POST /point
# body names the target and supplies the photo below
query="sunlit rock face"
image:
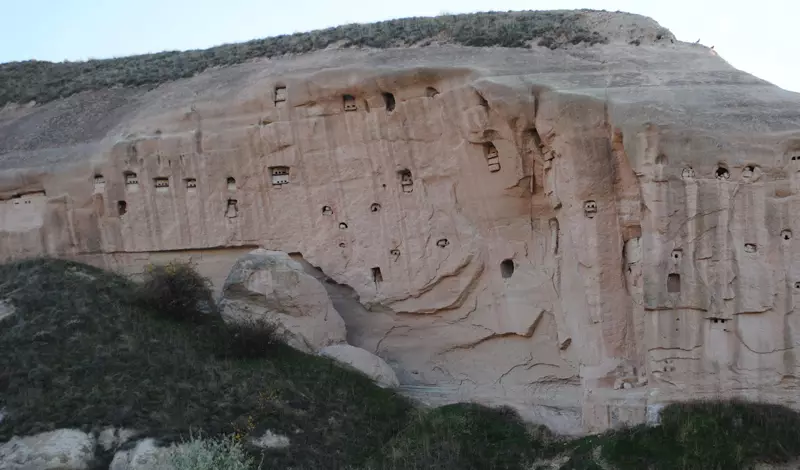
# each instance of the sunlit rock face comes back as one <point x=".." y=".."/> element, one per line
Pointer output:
<point x="578" y="233"/>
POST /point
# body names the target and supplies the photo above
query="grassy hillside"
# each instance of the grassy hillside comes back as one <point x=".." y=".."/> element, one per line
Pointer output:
<point x="21" y="82"/>
<point x="88" y="349"/>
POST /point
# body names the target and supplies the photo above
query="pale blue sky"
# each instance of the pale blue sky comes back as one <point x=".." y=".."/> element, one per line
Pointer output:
<point x="758" y="37"/>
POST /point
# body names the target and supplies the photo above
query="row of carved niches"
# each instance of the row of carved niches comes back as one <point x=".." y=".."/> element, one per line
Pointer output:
<point x="349" y="101"/>
<point x="722" y="173"/>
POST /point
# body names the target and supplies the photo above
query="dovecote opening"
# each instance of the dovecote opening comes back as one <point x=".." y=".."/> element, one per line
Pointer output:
<point x="280" y="175"/>
<point x="673" y="283"/>
<point x="191" y="183"/>
<point x="786" y="235"/>
<point x="395" y="253"/>
<point x="131" y="179"/>
<point x="280" y="94"/>
<point x="590" y="209"/>
<point x="122" y="207"/>
<point x="430" y="92"/>
<point x="442" y="242"/>
<point x="406" y="182"/>
<point x="750" y="247"/>
<point x="375" y="207"/>
<point x="687" y="173"/>
<point x="797" y="285"/>
<point x="326" y="210"/>
<point x="722" y="173"/>
<point x="161" y="184"/>
<point x="492" y="157"/>
<point x="342" y="226"/>
<point x="99" y="183"/>
<point x="506" y="268"/>
<point x="748" y="172"/>
<point x="718" y="320"/>
<point x="677" y="255"/>
<point x="349" y="102"/>
<point x="376" y="275"/>
<point x="231" y="183"/>
<point x="342" y="244"/>
<point x="232" y="208"/>
<point x="388" y="100"/>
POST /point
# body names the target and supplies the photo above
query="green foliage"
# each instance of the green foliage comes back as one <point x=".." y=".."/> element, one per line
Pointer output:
<point x="253" y="339"/>
<point x="461" y="436"/>
<point x="177" y="291"/>
<point x="81" y="352"/>
<point x="21" y="82"/>
<point x="208" y="454"/>
<point x="703" y="435"/>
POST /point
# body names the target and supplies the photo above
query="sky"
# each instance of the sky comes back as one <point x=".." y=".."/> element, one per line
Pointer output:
<point x="758" y="37"/>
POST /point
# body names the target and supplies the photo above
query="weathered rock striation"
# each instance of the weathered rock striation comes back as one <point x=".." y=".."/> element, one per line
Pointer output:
<point x="579" y="233"/>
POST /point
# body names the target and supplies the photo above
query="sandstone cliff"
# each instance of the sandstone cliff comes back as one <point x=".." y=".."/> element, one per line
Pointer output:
<point x="577" y="232"/>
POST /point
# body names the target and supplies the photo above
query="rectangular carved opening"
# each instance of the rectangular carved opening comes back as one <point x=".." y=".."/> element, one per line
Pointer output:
<point x="131" y="179"/>
<point x="280" y="94"/>
<point x="349" y="103"/>
<point x="674" y="283"/>
<point x="280" y="175"/>
<point x="232" y="209"/>
<point x="388" y="99"/>
<point x="161" y="183"/>
<point x="376" y="275"/>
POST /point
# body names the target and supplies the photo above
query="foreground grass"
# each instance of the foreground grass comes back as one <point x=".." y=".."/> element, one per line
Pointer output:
<point x="84" y="351"/>
<point x="80" y="352"/>
<point x="21" y="82"/>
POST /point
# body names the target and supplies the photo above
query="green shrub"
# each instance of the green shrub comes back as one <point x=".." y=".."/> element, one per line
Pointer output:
<point x="208" y="454"/>
<point x="701" y="435"/>
<point x="178" y="292"/>
<point x="250" y="339"/>
<point x="21" y="82"/>
<point x="460" y="437"/>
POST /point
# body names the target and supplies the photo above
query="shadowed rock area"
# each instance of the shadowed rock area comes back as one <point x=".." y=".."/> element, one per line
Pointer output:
<point x="580" y="232"/>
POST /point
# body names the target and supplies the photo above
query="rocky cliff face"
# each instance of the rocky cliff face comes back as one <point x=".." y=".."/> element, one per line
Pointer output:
<point x="579" y="233"/>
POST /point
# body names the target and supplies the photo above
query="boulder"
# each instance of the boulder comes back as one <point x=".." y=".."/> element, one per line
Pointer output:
<point x="62" y="449"/>
<point x="270" y="440"/>
<point x="363" y="361"/>
<point x="112" y="438"/>
<point x="269" y="285"/>
<point x="144" y="456"/>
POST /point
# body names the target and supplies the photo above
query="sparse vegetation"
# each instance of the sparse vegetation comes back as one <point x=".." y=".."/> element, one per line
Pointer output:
<point x="22" y="82"/>
<point x="208" y="454"/>
<point x="83" y="350"/>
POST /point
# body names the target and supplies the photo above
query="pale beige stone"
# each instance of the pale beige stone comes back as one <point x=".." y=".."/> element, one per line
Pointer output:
<point x="62" y="449"/>
<point x="363" y="361"/>
<point x="638" y="225"/>
<point x="145" y="455"/>
<point x="269" y="286"/>
<point x="270" y="440"/>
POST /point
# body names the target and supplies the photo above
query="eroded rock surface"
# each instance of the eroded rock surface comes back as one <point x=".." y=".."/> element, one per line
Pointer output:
<point x="62" y="449"/>
<point x="578" y="233"/>
<point x="270" y="286"/>
<point x="363" y="361"/>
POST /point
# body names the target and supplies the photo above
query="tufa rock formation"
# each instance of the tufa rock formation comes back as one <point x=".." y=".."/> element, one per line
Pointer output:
<point x="579" y="232"/>
<point x="270" y="286"/>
